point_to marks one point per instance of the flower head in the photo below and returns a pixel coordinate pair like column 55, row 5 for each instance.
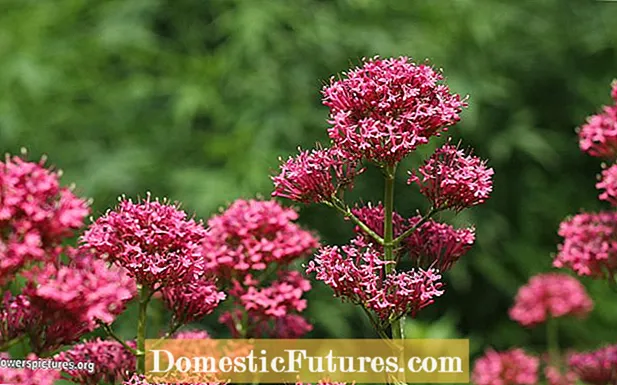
column 315, row 176
column 437, row 245
column 598, row 136
column 385, row 109
column 512, row 367
column 608, row 183
column 110, row 360
column 550, row 295
column 589, row 247
column 373, row 216
column 192, row 300
column 36, row 214
column 355, row 273
column 154, row 241
column 596, row 368
column 251, row 234
column 450, row 179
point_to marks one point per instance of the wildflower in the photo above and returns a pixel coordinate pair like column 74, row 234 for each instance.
column 154, row 241
column 111, row 361
column 193, row 300
column 315, row 176
column 289, row 326
column 608, row 183
column 450, row 179
column 385, row 109
column 355, row 272
column 512, row 367
column 437, row 245
column 14, row 315
column 251, row 234
column 550, row 295
column 596, row 368
column 598, row 136
column 589, row 247
column 373, row 217
column 36, row 214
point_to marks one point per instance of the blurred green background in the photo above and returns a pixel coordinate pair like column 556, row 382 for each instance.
column 196, row 100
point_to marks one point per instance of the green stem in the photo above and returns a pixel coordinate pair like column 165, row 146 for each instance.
column 412, row 229
column 397, row 326
column 144, row 298
column 552, row 341
column 113, row 335
column 10, row 343
column 343, row 209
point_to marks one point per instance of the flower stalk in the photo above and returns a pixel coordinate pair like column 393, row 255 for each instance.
column 144, row 298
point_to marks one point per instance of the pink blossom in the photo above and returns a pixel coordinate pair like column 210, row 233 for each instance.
column 112, row 362
column 589, row 247
column 14, row 314
column 356, row 273
column 550, row 295
column 450, row 179
column 155, row 241
column 555, row 377
column 289, row 326
column 251, row 234
column 598, row 136
column 192, row 335
column 315, row 176
column 385, row 109
column 512, row 367
column 193, row 300
column 36, row 214
column 608, row 183
column 28, row 376
column 373, row 217
column 437, row 245
column 596, row 368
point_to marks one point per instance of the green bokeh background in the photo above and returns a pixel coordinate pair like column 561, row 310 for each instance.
column 196, row 100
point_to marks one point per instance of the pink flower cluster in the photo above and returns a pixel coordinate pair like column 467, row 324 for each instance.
column 608, row 183
column 589, row 245
column 112, row 361
column 512, row 367
column 550, row 295
column 450, row 179
column 36, row 214
column 385, row 109
column 26, row 376
column 315, row 176
column 270, row 310
column 554, row 376
column 193, row 300
column 154, row 241
column 356, row 273
column 251, row 234
column 598, row 136
column 14, row 316
column 373, row 217
column 596, row 368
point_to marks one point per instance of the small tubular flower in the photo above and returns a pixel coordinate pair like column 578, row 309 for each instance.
column 596, row 368
column 251, row 234
column 26, row 376
column 589, row 246
column 437, row 245
column 36, row 214
column 512, row 367
column 192, row 301
column 550, row 295
column 450, row 179
column 598, row 136
column 355, row 273
column 315, row 176
column 384, row 109
column 112, row 362
column 608, row 183
column 154, row 241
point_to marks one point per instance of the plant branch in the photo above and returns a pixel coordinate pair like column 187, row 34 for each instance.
column 145, row 294
column 113, row 335
column 344, row 209
column 412, row 229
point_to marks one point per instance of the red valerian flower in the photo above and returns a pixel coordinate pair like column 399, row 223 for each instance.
column 191, row 301
column 14, row 314
column 450, row 179
column 156, row 242
column 36, row 214
column 550, row 295
column 384, row 109
column 589, row 245
column 373, row 217
column 598, row 136
column 355, row 273
column 111, row 361
column 596, row 368
column 315, row 176
column 608, row 183
column 512, row 367
column 554, row 376
column 251, row 234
